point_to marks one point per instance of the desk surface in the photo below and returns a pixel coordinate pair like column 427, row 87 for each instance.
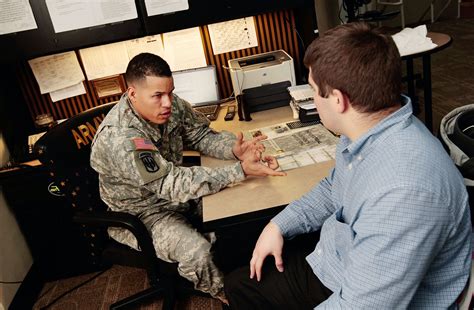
column 259, row 193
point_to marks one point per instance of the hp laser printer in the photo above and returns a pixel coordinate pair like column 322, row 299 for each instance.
column 260, row 81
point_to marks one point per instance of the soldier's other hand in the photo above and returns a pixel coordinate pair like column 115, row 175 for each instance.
column 254, row 165
column 243, row 149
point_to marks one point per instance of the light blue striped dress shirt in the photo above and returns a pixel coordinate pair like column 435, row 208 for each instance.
column 394, row 219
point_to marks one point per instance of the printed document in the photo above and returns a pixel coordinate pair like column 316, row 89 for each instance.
column 297, row 147
column 15, row 16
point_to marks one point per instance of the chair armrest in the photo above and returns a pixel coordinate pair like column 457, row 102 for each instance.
column 123, row 220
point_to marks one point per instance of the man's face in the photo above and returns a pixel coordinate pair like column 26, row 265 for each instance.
column 152, row 98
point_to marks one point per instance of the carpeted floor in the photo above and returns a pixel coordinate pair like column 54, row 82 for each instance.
column 114, row 284
column 453, row 86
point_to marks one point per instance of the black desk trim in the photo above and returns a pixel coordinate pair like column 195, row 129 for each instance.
column 242, row 219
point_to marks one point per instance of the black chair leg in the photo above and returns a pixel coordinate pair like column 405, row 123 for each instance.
column 169, row 299
column 139, row 297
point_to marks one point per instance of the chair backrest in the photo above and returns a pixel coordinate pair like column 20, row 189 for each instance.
column 65, row 149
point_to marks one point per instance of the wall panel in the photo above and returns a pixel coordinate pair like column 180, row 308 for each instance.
column 275, row 30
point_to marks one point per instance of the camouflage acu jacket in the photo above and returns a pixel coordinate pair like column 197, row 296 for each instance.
column 139, row 163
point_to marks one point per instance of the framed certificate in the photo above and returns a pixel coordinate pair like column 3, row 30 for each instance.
column 109, row 86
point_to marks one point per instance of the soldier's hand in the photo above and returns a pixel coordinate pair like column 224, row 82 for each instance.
column 243, row 149
column 254, row 165
column 270, row 242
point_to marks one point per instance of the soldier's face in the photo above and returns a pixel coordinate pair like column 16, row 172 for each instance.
column 152, row 98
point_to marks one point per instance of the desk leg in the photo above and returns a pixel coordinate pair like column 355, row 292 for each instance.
column 427, row 91
column 411, row 86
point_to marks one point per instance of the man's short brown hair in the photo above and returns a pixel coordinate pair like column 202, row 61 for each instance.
column 361, row 62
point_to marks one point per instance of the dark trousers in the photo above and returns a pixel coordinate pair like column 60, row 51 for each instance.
column 297, row 287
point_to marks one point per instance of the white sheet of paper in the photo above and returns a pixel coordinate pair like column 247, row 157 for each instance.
column 105, row 60
column 156, row 7
column 413, row 40
column 68, row 92
column 69, row 15
column 149, row 44
column 15, row 16
column 56, row 71
column 184, row 49
column 233, row 35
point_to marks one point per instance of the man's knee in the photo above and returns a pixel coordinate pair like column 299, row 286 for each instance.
column 235, row 280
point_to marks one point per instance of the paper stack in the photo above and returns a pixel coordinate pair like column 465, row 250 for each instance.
column 302, row 103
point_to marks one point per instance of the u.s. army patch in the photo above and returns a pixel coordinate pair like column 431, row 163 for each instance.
column 148, row 162
column 150, row 165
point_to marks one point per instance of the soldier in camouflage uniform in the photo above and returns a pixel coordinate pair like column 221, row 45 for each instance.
column 138, row 152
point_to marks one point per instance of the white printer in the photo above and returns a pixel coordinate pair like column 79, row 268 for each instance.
column 261, row 81
column 261, row 69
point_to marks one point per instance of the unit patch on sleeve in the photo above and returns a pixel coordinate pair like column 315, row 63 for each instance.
column 150, row 165
column 148, row 161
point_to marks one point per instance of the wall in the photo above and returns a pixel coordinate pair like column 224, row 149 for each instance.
column 275, row 30
column 15, row 257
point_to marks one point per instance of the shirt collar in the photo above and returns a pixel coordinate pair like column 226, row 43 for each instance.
column 364, row 143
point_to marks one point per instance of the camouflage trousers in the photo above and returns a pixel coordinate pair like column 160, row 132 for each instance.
column 176, row 240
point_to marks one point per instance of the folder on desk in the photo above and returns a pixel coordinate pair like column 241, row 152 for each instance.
column 302, row 103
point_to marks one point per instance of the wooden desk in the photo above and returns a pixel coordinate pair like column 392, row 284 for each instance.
column 442, row 41
column 258, row 193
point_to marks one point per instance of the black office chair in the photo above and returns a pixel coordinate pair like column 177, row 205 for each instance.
column 66, row 149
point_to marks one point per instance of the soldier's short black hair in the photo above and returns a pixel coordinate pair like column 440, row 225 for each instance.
column 146, row 64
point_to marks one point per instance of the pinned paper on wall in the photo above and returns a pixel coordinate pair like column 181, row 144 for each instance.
column 15, row 16
column 56, row 72
column 77, row 14
column 68, row 92
column 149, row 44
column 233, row 35
column 157, row 7
column 105, row 60
column 184, row 49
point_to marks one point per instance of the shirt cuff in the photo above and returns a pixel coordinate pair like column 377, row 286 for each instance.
column 284, row 223
column 235, row 172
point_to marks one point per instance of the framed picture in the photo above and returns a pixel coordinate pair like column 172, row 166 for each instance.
column 109, row 86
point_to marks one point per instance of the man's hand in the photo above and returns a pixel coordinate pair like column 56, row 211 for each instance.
column 270, row 242
column 243, row 149
column 254, row 165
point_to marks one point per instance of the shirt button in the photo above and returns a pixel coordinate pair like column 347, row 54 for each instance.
column 349, row 166
column 319, row 251
column 359, row 157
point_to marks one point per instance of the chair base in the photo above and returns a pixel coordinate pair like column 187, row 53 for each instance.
column 170, row 289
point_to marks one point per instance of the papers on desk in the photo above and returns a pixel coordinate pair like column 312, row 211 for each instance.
column 302, row 102
column 413, row 40
column 297, row 147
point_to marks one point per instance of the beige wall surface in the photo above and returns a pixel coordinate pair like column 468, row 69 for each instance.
column 15, row 257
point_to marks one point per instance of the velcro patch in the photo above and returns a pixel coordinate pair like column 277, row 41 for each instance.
column 150, row 165
column 143, row 144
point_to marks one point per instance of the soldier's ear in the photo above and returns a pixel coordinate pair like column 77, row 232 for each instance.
column 132, row 93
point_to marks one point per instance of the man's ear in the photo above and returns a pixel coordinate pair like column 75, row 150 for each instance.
column 341, row 101
column 131, row 92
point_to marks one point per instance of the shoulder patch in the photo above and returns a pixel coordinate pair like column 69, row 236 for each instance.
column 150, row 165
column 143, row 144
